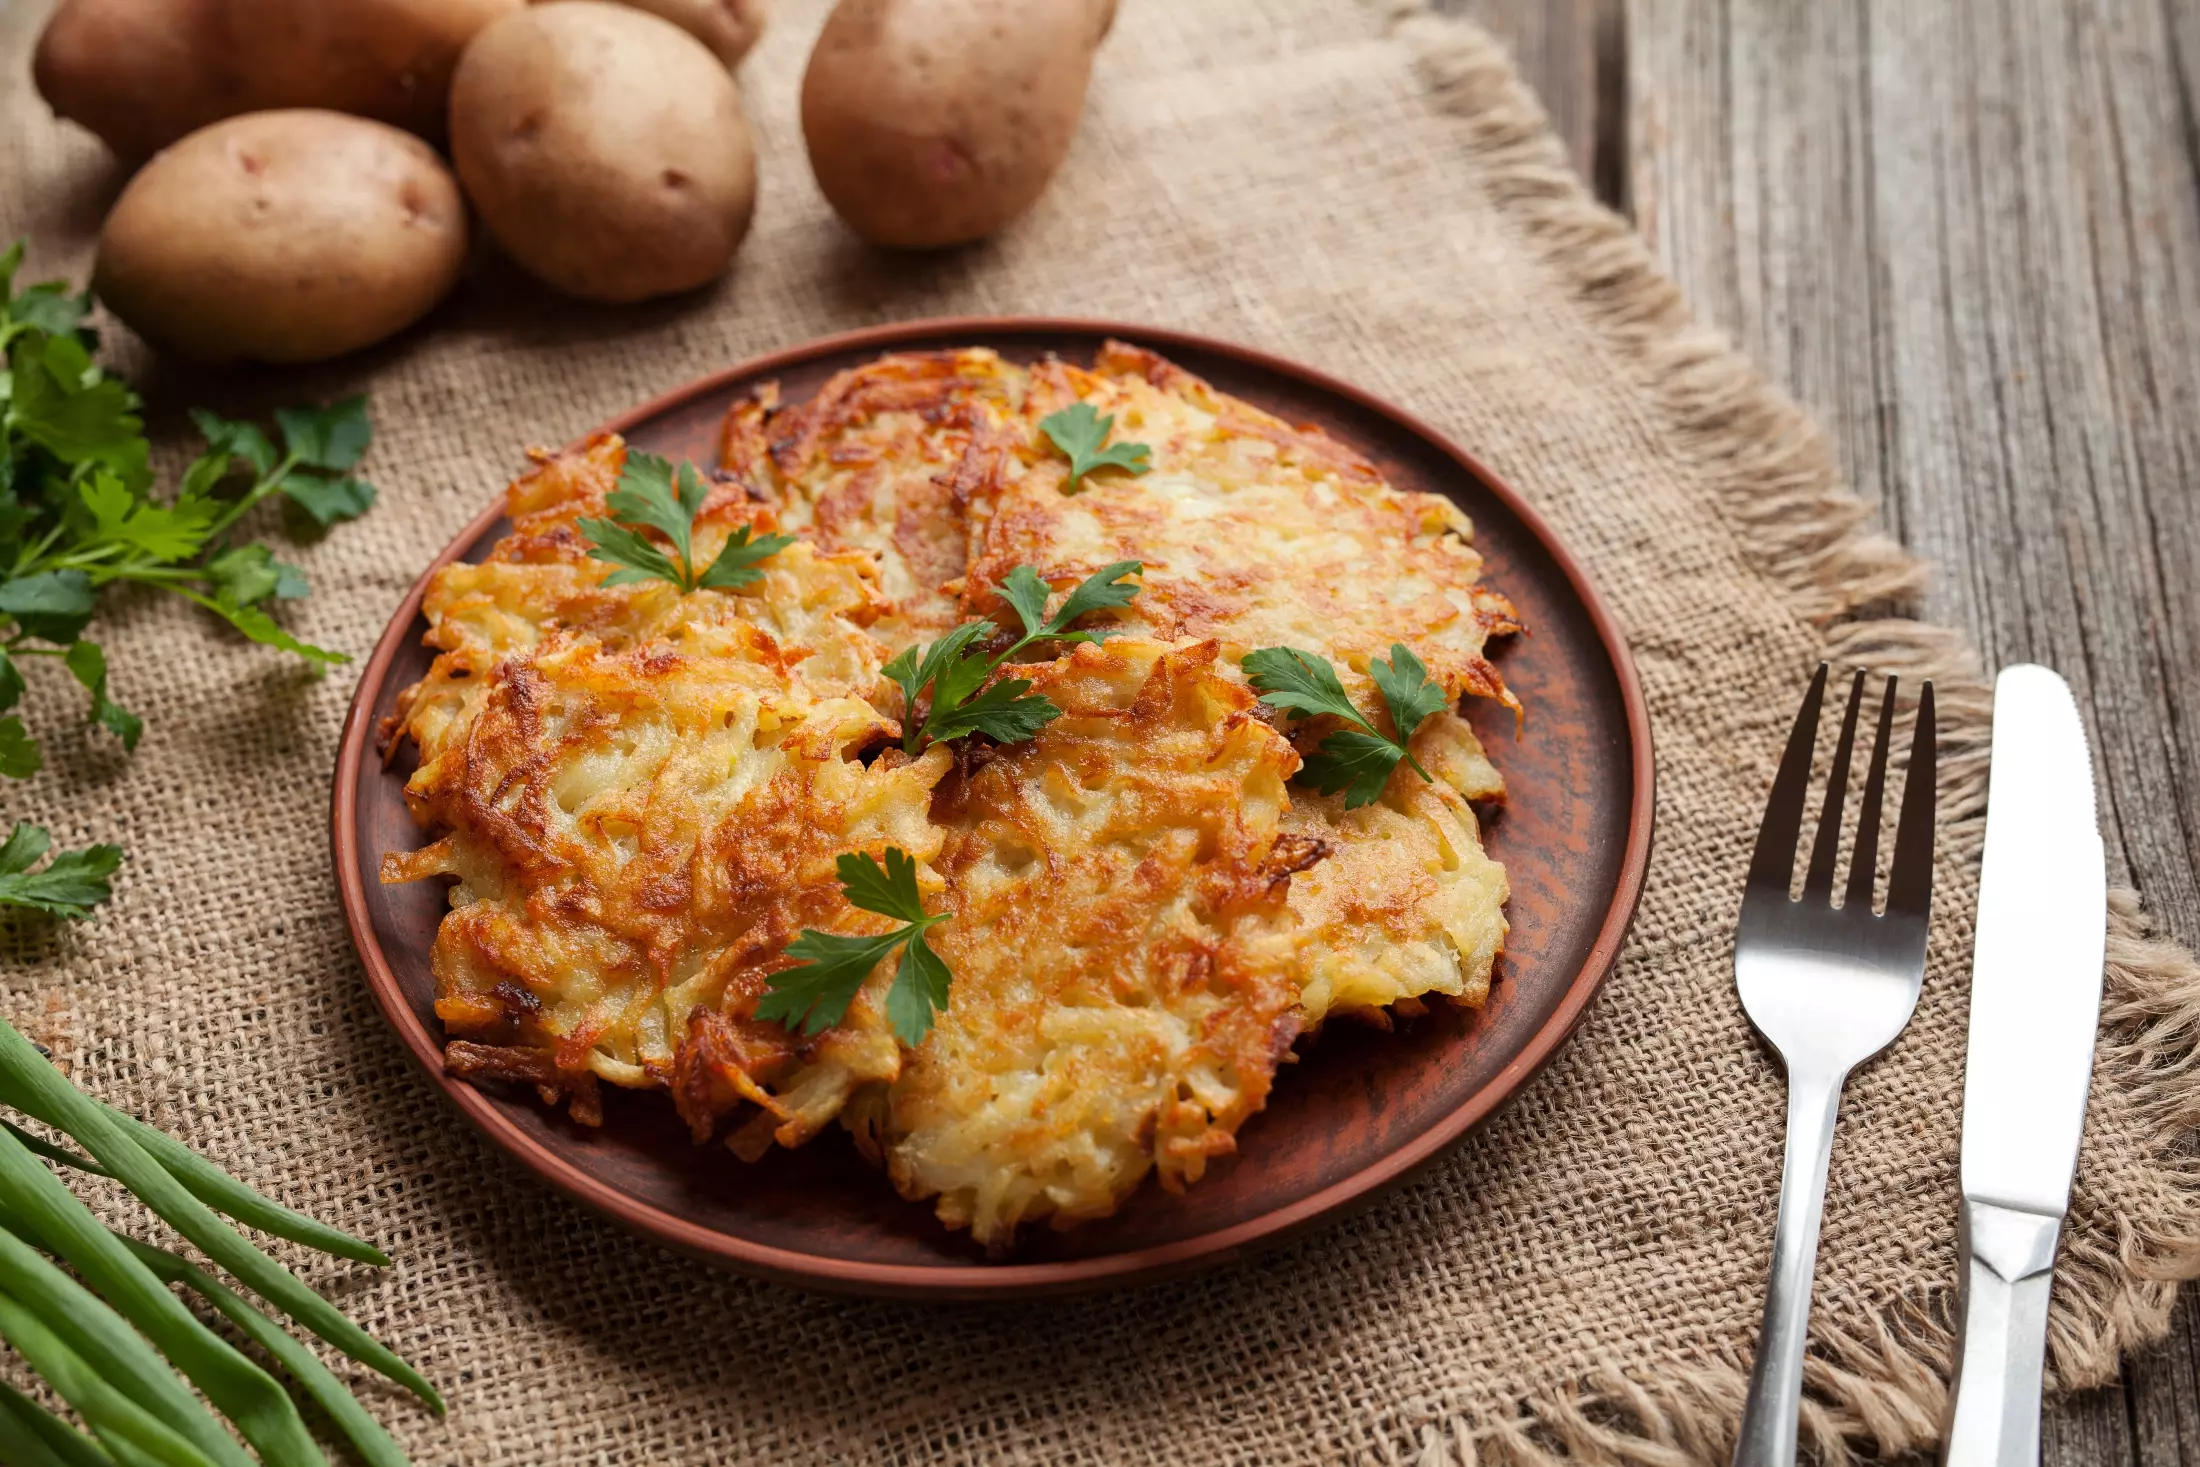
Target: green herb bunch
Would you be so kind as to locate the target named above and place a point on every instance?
(1007, 710)
(113, 1341)
(1358, 758)
(77, 514)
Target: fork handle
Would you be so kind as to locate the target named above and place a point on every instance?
(1776, 1381)
(1994, 1404)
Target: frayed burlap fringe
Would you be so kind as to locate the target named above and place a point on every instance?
(1793, 517)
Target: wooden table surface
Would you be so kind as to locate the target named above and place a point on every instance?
(1965, 233)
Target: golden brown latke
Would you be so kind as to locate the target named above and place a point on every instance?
(641, 795)
(1121, 948)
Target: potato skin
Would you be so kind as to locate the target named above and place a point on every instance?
(728, 27)
(142, 73)
(935, 122)
(604, 148)
(285, 236)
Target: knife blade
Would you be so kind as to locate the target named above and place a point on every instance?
(2035, 1005)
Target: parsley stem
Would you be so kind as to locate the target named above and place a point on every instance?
(27, 560)
(261, 488)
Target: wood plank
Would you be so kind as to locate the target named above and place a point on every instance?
(1573, 53)
(1967, 234)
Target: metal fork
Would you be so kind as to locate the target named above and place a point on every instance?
(1828, 987)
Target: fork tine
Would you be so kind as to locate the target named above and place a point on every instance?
(1910, 886)
(1774, 861)
(1823, 850)
(1864, 863)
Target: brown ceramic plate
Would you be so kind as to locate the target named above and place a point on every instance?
(1359, 1112)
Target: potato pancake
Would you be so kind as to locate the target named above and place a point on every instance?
(642, 793)
(1120, 948)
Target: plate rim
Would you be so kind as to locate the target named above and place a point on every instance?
(1000, 1280)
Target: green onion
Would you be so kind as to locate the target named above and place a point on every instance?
(32, 1085)
(100, 1343)
(131, 1434)
(52, 1152)
(224, 1193)
(32, 1436)
(103, 1341)
(45, 1210)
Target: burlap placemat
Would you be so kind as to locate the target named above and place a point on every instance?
(1361, 186)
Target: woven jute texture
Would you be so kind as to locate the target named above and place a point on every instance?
(1363, 187)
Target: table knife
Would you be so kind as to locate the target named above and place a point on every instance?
(2035, 1005)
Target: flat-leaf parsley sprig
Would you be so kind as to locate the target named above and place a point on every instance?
(1079, 430)
(77, 512)
(955, 673)
(654, 495)
(1357, 760)
(71, 884)
(814, 994)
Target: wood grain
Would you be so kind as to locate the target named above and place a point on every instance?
(1967, 234)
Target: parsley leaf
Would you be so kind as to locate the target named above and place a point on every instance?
(1026, 591)
(233, 440)
(333, 437)
(814, 994)
(258, 626)
(11, 683)
(1356, 760)
(19, 753)
(955, 673)
(250, 574)
(59, 401)
(1357, 763)
(128, 521)
(1001, 712)
(655, 495)
(72, 884)
(49, 307)
(736, 563)
(889, 889)
(1079, 430)
(631, 551)
(914, 668)
(921, 981)
(1407, 689)
(89, 666)
(53, 606)
(325, 500)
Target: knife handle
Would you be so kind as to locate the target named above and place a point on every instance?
(1994, 1404)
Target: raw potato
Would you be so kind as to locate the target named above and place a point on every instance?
(604, 148)
(728, 27)
(935, 122)
(285, 236)
(143, 73)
